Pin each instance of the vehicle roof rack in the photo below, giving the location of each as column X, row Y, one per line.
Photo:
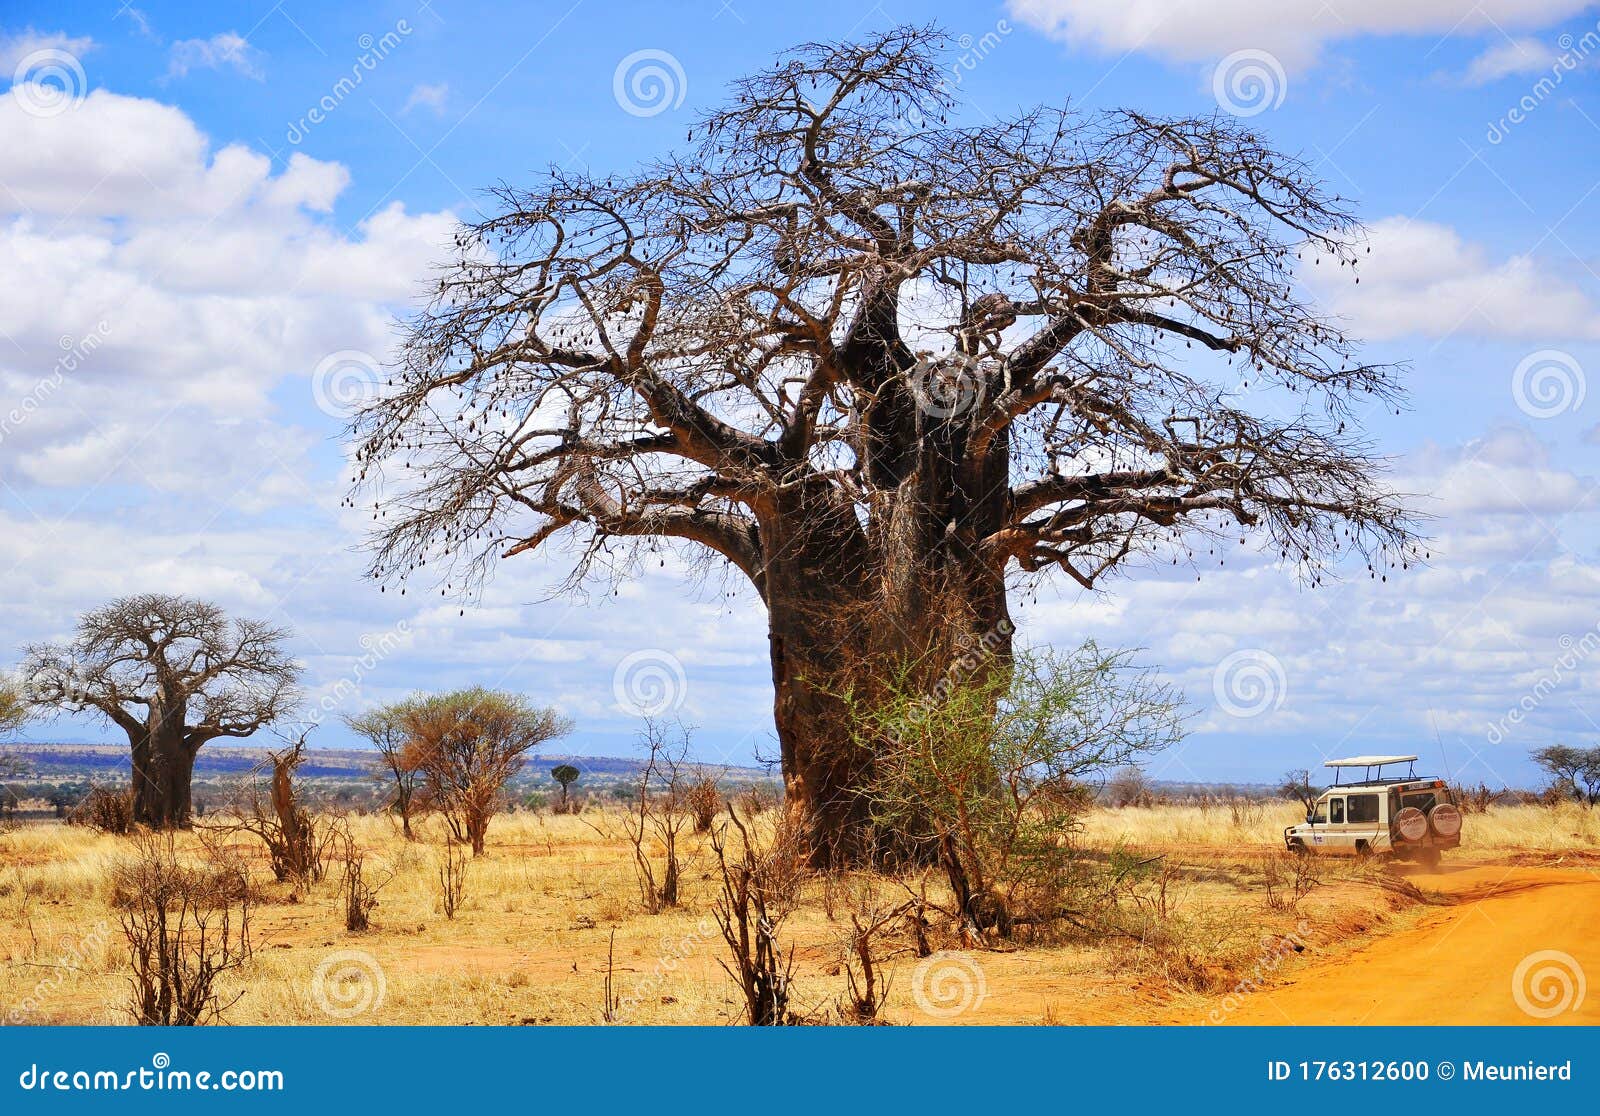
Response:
column 1369, row 762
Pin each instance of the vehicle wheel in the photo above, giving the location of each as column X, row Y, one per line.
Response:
column 1299, row 848
column 1445, row 820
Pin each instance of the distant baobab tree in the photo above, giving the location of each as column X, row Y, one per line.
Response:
column 890, row 370
column 172, row 673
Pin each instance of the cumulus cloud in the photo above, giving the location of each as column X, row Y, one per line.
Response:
column 1295, row 31
column 1424, row 279
column 226, row 50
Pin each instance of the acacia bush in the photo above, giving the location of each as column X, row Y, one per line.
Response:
column 468, row 744
column 987, row 775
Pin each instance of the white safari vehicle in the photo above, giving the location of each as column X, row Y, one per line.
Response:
column 1407, row 817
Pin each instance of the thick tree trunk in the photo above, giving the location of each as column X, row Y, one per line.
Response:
column 163, row 770
column 848, row 607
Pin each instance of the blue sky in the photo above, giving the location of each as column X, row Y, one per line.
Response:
column 206, row 220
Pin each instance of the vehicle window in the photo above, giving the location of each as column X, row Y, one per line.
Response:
column 1423, row 802
column 1362, row 808
column 1336, row 810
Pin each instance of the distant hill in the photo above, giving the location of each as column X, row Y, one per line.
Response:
column 109, row 763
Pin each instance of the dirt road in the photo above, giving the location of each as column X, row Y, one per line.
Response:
column 1516, row 946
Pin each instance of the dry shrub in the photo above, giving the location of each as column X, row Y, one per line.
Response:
column 298, row 844
column 452, row 877
column 757, row 800
column 657, row 816
column 702, row 797
column 759, row 890
column 107, row 810
column 185, row 926
column 358, row 891
column 863, row 952
column 1288, row 878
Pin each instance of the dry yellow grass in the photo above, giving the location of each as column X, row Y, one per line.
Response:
column 553, row 900
column 1503, row 829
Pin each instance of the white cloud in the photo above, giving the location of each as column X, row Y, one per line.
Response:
column 1510, row 58
column 1365, row 661
column 1295, row 31
column 16, row 48
column 1426, row 279
column 227, row 49
column 431, row 97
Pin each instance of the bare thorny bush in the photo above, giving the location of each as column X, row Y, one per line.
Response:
column 186, row 925
column 866, row 948
column 107, row 810
column 1286, row 879
column 663, row 806
column 760, row 882
column 358, row 890
column 452, row 877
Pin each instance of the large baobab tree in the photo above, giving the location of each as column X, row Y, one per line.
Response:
column 172, row 673
column 887, row 369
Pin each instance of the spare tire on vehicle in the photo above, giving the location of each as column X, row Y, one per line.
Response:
column 1412, row 824
column 1445, row 820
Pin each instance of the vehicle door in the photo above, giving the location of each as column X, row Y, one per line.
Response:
column 1338, row 834
column 1362, row 815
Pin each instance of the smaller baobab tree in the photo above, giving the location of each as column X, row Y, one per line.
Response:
column 468, row 745
column 566, row 775
column 383, row 729
column 171, row 672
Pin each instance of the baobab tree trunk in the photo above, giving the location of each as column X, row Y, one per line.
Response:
column 163, row 771
column 850, row 611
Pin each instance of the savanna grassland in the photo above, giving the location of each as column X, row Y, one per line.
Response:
column 1197, row 916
